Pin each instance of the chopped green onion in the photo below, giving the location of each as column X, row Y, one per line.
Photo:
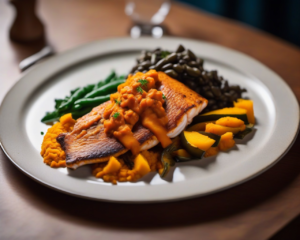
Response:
column 164, row 54
column 143, row 82
column 139, row 89
column 116, row 115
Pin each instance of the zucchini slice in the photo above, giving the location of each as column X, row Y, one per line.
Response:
column 181, row 155
column 242, row 134
column 167, row 158
column 212, row 136
column 192, row 146
column 225, row 112
column 198, row 126
column 181, row 159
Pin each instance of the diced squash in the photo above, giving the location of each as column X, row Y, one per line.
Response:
column 230, row 122
column 182, row 153
column 141, row 165
column 113, row 166
column 211, row 152
column 248, row 106
column 198, row 140
column 226, row 141
column 220, row 130
column 198, row 127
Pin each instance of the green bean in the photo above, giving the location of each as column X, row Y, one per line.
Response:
column 58, row 102
column 66, row 105
column 122, row 77
column 99, row 84
column 77, row 95
column 90, row 102
column 51, row 117
column 78, row 114
column 106, row 89
column 89, row 88
column 73, row 91
column 109, row 77
column 75, row 102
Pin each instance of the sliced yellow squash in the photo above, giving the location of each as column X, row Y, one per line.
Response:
column 198, row 140
column 230, row 122
column 248, row 106
column 220, row 130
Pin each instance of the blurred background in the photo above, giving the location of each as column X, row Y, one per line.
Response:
column 280, row 18
column 50, row 26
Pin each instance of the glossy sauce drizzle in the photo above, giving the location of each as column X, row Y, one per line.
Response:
column 137, row 99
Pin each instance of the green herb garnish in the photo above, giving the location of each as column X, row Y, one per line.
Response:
column 164, row 97
column 164, row 54
column 117, row 101
column 42, row 133
column 143, row 82
column 139, row 89
column 116, row 115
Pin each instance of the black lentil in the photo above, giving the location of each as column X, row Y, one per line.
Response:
column 187, row 68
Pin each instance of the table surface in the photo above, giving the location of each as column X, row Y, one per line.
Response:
column 253, row 210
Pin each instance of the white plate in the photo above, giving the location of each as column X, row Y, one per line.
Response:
column 276, row 111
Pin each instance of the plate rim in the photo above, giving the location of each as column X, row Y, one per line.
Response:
column 70, row 51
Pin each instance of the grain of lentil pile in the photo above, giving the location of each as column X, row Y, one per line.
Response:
column 184, row 66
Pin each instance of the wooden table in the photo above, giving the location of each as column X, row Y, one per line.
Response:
column 254, row 210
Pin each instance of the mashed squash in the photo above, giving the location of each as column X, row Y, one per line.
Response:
column 51, row 151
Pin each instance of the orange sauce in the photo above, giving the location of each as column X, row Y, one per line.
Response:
column 137, row 100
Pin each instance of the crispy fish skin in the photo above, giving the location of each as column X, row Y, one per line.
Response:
column 181, row 101
column 88, row 143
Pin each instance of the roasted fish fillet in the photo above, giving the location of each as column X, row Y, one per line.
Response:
column 88, row 143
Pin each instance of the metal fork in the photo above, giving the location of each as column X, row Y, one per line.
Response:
column 28, row 62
